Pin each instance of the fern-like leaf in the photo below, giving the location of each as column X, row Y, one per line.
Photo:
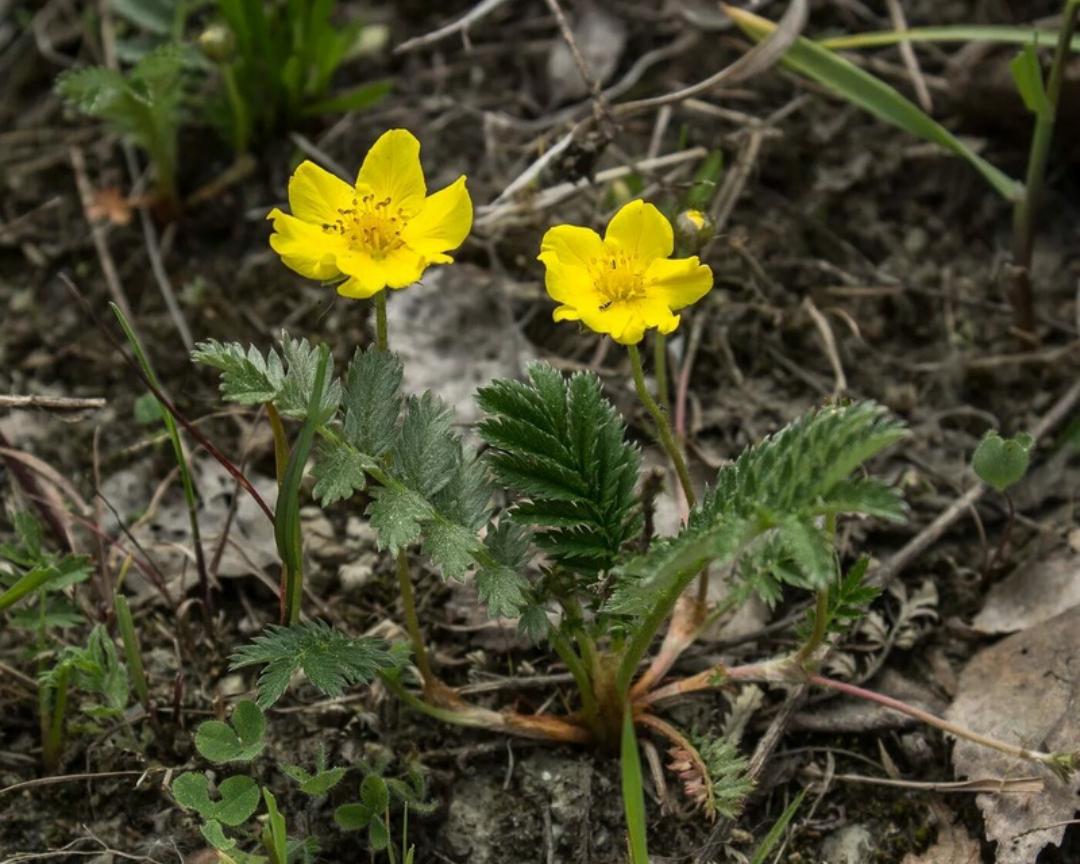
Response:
column 330, row 660
column 775, row 491
column 561, row 447
column 286, row 378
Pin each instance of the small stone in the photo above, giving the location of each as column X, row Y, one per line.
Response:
column 232, row 685
column 356, row 574
column 852, row 844
column 359, row 532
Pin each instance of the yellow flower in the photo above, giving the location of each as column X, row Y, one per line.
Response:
column 626, row 282
column 383, row 232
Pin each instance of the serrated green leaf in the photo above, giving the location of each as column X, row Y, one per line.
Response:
column 426, row 451
column 450, row 547
column 339, row 472
column 395, row 514
column 302, row 363
column 247, row 377
column 502, row 590
column 500, row 585
column 30, row 533
column 778, row 486
column 241, row 741
column 866, row 496
column 314, row 784
column 372, row 401
column 330, row 659
column 809, row 548
column 561, row 447
column 534, row 623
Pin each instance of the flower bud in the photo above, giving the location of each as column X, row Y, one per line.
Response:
column 693, row 229
column 218, row 43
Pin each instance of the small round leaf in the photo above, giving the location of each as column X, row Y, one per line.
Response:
column 1002, row 462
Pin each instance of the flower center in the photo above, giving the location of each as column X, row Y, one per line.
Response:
column 371, row 225
column 618, row 278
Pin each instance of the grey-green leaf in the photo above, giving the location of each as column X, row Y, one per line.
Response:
column 396, row 514
column 352, row 817
column 339, row 472
column 372, row 401
column 1002, row 462
column 240, row 742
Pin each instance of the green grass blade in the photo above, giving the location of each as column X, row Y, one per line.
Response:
column 287, row 512
column 132, row 652
column 633, row 792
column 27, row 583
column 1028, row 77
column 178, row 451
column 776, row 832
column 873, row 95
column 954, row 33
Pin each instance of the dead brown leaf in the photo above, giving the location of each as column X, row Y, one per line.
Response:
column 954, row 845
column 111, row 205
column 1024, row 689
column 1032, row 594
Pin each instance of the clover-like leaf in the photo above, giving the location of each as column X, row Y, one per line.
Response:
column 374, row 794
column 378, row 834
column 315, row 784
column 352, row 817
column 1002, row 462
column 214, row 834
column 239, row 797
column 240, row 742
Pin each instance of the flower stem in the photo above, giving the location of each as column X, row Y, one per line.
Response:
column 544, row 727
column 667, row 439
column 817, row 636
column 663, row 428
column 1026, row 207
column 660, row 370
column 412, row 622
column 382, row 340
column 929, row 719
column 241, row 119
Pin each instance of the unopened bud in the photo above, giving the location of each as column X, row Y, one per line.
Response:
column 217, row 42
column 694, row 229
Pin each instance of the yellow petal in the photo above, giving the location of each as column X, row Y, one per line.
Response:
column 620, row 321
column 571, row 245
column 565, row 313
column 392, row 169
column 305, row 247
column 678, row 281
column 360, row 287
column 399, row 269
column 639, row 229
column 568, row 283
column 443, row 222
column 627, row 322
column 316, row 195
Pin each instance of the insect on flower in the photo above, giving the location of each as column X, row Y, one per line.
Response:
column 384, row 232
column 625, row 283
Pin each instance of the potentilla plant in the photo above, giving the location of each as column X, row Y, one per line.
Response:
column 566, row 555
